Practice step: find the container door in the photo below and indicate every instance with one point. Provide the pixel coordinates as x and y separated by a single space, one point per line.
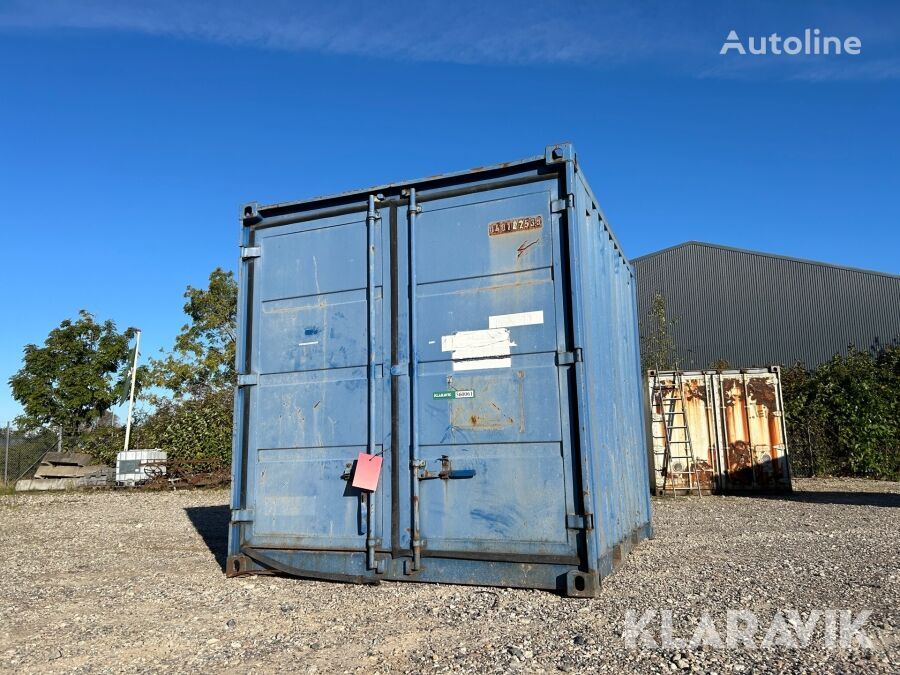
309 405
695 399
753 431
495 475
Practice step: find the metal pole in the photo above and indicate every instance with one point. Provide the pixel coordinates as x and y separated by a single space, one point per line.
59 438
137 348
6 458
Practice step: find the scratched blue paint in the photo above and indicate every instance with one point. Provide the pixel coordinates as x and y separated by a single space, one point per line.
536 479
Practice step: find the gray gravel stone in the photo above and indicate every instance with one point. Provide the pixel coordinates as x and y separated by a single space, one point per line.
130 582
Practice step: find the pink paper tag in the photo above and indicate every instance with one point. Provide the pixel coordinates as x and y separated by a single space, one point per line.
368 468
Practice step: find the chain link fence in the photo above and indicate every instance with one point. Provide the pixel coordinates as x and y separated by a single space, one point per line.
23 449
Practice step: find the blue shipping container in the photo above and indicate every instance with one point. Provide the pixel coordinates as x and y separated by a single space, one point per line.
475 332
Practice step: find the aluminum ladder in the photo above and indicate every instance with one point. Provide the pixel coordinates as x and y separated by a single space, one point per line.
673 418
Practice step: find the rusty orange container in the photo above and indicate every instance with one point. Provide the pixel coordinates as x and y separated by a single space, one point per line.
725 430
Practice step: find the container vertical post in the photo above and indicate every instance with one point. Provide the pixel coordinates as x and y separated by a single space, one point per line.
588 485
242 395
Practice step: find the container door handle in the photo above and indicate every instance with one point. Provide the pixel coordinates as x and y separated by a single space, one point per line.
447 471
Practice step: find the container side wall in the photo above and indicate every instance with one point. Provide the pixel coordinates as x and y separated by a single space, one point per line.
618 443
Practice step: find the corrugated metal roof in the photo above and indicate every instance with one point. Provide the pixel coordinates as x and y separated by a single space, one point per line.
777 256
756 309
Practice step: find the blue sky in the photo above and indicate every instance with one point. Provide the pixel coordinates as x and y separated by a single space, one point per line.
131 132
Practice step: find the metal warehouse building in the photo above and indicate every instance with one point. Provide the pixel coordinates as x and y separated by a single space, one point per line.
758 309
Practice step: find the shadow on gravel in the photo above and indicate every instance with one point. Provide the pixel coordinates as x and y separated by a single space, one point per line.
211 523
849 498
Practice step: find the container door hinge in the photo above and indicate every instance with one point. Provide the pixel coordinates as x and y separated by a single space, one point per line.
568 358
560 205
248 252
248 379
576 522
242 516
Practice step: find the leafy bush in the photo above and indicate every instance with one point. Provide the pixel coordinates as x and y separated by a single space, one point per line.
844 416
196 429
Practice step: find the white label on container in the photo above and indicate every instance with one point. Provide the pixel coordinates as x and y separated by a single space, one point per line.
472 348
481 364
520 319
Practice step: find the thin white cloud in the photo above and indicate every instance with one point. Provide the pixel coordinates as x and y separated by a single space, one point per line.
843 68
675 36
462 32
873 70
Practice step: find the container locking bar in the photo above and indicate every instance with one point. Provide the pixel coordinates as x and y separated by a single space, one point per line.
367 504
413 211
447 471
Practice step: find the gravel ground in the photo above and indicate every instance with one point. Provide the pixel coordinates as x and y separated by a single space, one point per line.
127 582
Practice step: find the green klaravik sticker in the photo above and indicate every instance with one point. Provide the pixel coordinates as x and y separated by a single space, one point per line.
454 393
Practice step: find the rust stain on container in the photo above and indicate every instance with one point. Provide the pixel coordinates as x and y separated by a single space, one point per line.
482 413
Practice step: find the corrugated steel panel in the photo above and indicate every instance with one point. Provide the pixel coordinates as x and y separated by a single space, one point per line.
736 429
476 332
754 309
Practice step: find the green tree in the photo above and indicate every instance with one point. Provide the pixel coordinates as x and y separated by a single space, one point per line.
202 360
76 377
657 342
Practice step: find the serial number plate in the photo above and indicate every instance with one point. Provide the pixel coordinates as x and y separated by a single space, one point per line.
454 394
515 225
